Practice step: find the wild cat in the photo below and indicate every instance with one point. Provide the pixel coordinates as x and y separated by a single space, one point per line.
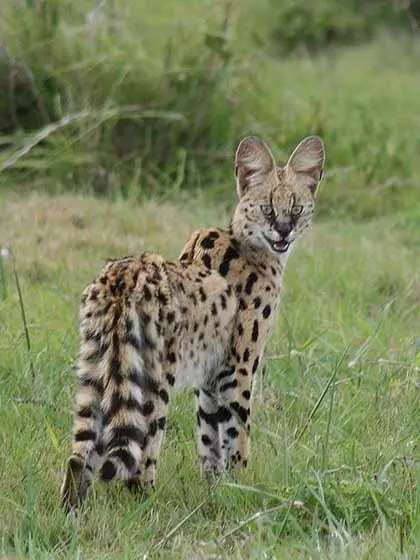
148 324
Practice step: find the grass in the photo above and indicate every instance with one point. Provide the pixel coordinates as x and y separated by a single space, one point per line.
117 137
335 464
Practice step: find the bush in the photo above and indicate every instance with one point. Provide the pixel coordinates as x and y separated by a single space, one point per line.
161 120
317 24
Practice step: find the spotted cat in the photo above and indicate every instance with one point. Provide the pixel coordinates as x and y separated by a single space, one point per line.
149 325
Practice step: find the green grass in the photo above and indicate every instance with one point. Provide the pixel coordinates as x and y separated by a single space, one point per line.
157 100
335 462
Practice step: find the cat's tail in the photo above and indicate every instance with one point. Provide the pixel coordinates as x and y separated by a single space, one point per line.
112 365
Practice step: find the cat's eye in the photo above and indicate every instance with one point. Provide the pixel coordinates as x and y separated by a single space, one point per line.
267 210
296 210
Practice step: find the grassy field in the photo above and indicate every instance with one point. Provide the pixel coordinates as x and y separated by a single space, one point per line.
157 98
335 464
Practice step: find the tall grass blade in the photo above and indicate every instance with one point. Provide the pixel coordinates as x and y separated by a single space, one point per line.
23 315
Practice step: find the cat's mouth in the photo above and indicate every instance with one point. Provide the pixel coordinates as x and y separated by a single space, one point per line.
278 246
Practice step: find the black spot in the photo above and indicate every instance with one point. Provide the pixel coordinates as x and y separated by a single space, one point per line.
170 317
255 365
207 260
224 414
205 440
257 302
240 411
240 329
225 373
85 412
207 243
145 318
125 456
123 434
99 448
208 418
273 271
223 301
246 394
193 298
149 462
229 385
266 311
255 331
147 408
147 293
170 379
163 394
108 471
85 435
202 293
246 355
252 278
163 298
205 320
152 428
242 371
235 354
161 423
171 357
230 254
232 432
242 304
238 289
213 309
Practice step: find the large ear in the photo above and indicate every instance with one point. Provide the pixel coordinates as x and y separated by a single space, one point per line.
253 163
307 161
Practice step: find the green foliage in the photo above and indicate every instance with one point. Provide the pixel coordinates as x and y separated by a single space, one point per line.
318 24
132 99
160 119
321 23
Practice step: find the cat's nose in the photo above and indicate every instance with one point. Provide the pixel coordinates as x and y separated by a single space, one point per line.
283 229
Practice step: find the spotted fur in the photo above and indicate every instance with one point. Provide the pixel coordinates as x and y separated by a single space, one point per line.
148 324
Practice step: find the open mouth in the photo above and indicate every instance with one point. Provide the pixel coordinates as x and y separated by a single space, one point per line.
278 246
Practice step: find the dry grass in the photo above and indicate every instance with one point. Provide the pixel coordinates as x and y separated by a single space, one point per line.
79 233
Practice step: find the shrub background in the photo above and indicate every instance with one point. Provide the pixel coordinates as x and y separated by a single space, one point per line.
155 97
